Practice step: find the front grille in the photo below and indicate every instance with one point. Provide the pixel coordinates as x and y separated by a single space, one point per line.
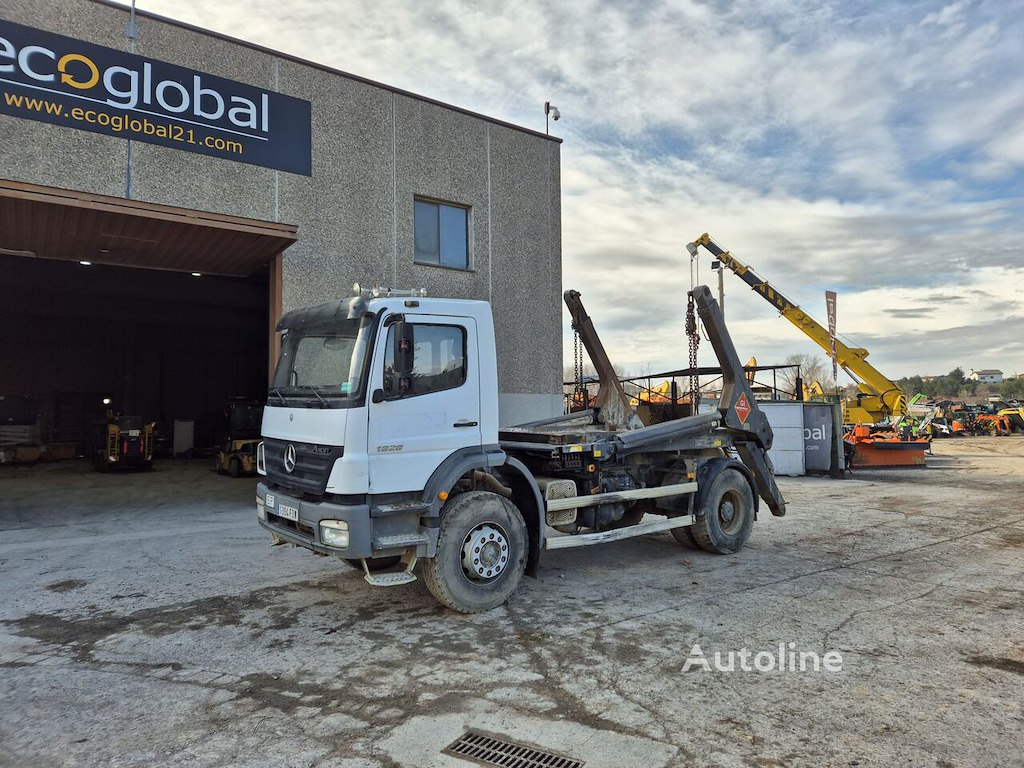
488 749
313 465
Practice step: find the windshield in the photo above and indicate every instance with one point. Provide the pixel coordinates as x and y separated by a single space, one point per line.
324 363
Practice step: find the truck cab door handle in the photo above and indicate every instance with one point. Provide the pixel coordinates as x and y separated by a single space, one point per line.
465 424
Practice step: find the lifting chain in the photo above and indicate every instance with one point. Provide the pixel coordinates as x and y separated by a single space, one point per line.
580 395
694 338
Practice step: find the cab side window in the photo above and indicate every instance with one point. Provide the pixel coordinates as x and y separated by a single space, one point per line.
439 359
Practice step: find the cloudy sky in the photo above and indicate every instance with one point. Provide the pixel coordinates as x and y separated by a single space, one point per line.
872 148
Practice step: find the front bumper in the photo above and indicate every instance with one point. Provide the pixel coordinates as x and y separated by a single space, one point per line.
305 532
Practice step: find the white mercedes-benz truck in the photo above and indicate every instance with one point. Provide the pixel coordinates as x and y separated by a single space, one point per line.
381 446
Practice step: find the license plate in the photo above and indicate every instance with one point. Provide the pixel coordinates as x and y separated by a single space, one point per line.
288 512
134 432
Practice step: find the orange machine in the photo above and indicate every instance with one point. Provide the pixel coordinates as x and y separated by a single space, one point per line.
885 448
997 424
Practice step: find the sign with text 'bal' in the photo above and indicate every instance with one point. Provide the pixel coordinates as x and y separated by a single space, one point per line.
68 82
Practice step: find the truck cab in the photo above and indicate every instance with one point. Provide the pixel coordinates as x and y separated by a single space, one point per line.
372 398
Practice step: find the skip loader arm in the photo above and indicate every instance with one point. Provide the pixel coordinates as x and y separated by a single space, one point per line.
615 410
751 433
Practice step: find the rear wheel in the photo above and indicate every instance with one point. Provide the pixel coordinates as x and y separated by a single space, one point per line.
234 467
481 552
727 514
685 536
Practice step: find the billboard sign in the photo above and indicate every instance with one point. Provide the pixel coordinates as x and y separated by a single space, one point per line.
830 308
818 437
67 82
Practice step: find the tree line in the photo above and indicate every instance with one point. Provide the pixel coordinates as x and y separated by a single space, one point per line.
955 384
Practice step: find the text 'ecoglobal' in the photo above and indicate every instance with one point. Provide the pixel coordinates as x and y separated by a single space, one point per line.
257 126
126 88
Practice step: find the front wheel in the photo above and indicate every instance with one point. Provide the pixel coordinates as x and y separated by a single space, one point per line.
727 514
481 552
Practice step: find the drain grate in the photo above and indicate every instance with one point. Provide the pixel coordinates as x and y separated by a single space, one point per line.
491 749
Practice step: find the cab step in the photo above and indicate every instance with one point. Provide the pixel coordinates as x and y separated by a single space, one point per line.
393 579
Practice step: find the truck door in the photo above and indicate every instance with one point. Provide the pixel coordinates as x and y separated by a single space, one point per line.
416 421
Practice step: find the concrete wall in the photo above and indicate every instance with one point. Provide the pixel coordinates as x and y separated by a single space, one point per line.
374 149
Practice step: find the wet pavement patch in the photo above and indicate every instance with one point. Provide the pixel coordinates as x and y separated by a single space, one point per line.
67 585
997 662
82 633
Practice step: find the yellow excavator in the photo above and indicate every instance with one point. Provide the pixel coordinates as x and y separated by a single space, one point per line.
878 397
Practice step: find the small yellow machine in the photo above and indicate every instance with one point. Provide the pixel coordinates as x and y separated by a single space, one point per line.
238 457
126 444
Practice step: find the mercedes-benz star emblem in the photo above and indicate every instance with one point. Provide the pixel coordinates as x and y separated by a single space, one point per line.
289 458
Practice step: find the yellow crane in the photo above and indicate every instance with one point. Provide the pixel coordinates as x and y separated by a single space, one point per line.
878 397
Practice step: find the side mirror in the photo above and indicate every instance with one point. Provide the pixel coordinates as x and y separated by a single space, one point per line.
399 361
404 346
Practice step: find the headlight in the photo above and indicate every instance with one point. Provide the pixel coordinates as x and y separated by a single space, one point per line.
261 511
334 533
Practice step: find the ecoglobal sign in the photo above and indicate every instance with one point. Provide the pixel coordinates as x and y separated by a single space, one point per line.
67 82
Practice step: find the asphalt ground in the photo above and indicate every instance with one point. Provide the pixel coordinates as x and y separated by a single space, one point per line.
146 621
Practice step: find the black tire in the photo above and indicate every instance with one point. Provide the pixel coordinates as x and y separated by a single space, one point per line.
685 536
727 514
375 563
234 467
677 473
481 553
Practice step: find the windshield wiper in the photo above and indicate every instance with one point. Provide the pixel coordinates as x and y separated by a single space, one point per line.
281 397
318 395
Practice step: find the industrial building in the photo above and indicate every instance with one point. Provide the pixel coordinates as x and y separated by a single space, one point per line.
167 192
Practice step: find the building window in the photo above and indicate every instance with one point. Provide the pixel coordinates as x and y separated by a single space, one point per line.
441 234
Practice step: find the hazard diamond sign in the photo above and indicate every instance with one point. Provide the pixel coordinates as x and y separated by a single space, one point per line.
743 408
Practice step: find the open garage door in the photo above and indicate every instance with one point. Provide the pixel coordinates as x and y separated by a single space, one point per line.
164 312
